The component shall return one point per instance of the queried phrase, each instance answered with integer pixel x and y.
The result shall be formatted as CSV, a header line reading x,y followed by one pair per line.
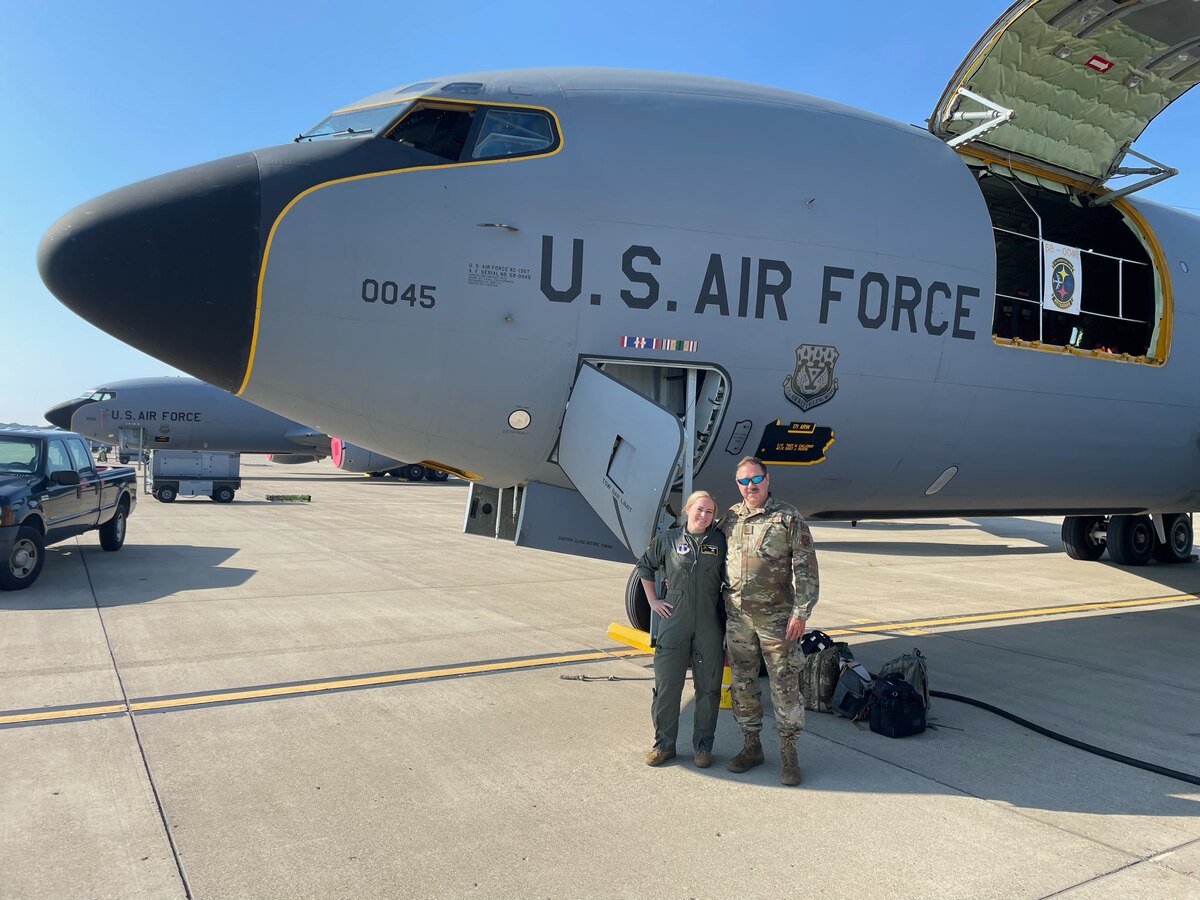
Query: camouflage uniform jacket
x,y
771,566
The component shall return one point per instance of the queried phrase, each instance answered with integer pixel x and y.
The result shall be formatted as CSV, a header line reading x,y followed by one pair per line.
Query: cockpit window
x,y
353,123
509,132
97,395
440,130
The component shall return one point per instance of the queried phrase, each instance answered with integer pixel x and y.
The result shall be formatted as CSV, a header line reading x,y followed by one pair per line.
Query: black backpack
x,y
897,710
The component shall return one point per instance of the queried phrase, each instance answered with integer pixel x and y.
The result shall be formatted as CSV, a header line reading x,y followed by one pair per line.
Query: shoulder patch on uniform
x,y
806,539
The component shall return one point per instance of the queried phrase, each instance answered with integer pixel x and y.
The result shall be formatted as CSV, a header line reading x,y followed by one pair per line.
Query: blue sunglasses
x,y
753,479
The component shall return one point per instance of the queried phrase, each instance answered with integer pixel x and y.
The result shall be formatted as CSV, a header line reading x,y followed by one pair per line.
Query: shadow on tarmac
x,y
1125,682
1176,578
927,548
115,579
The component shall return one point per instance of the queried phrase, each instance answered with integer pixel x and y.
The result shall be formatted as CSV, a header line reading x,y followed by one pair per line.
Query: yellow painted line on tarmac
x,y
640,640
55,714
1012,614
311,687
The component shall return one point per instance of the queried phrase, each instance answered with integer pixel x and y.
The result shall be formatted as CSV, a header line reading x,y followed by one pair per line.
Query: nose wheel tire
x,y
637,607
1083,537
1178,548
25,560
1130,540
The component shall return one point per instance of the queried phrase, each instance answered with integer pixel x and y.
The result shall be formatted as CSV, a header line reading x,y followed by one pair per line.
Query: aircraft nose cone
x,y
60,414
169,265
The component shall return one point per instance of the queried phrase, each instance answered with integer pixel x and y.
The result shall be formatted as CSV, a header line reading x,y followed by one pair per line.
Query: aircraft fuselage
x,y
839,269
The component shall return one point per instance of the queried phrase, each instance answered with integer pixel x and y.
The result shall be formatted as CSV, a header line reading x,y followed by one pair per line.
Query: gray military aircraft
x,y
594,286
186,414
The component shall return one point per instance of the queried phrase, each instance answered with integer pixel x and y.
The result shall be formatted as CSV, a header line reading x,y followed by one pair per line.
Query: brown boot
x,y
789,771
750,756
703,759
658,757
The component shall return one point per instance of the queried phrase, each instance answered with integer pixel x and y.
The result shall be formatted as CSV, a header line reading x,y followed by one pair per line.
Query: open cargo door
x,y
1066,86
620,451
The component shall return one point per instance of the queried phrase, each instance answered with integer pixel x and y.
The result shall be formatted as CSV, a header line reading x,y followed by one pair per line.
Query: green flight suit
x,y
694,632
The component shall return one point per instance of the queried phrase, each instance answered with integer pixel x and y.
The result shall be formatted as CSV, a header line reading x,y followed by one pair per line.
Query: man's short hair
x,y
751,460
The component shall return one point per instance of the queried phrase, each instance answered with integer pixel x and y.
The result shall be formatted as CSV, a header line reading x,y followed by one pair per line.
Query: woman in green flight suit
x,y
692,629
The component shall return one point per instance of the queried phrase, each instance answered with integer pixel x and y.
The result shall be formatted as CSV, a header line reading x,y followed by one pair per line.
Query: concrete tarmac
x,y
350,698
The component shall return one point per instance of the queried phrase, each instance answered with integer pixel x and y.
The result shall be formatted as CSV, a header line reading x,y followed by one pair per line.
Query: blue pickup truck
x,y
51,490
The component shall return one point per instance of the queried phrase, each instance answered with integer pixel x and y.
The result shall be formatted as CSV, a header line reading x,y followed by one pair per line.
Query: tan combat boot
x,y
789,771
658,757
750,756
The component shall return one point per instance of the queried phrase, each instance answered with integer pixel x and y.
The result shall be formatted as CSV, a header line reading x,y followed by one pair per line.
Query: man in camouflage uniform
x,y
771,571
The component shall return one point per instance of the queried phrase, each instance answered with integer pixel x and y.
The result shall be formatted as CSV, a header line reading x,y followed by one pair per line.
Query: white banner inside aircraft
x,y
1062,276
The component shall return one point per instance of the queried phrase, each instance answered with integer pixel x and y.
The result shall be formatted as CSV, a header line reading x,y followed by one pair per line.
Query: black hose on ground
x,y
1062,738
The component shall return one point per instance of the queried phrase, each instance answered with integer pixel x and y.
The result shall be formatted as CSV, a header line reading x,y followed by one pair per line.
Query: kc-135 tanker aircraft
x,y
172,413
584,288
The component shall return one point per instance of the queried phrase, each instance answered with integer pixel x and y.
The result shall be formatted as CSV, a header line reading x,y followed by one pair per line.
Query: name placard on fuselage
x,y
758,287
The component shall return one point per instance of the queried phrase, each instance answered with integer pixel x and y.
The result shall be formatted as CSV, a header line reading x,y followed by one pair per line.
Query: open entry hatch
x,y
1067,86
633,433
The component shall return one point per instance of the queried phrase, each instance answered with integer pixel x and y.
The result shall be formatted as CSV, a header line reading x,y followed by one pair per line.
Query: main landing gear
x,y
1129,540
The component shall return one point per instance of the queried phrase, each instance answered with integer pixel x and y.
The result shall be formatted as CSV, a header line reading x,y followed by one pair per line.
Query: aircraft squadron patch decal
x,y
812,382
794,444
1064,278
1063,283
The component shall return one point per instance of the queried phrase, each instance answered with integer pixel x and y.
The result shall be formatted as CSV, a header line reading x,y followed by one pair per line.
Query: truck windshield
x,y
19,456
352,123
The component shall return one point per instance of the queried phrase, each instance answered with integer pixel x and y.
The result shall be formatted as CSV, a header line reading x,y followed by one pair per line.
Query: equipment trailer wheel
x,y
637,607
1081,537
223,494
1130,540
25,560
166,494
112,532
1178,548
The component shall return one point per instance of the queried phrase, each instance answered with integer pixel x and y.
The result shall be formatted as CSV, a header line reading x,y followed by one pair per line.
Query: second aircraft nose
x,y
169,265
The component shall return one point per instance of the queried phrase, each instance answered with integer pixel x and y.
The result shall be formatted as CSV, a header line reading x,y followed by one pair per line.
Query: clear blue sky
x,y
98,95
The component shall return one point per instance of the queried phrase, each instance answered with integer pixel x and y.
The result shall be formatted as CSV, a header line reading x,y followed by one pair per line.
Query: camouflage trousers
x,y
749,638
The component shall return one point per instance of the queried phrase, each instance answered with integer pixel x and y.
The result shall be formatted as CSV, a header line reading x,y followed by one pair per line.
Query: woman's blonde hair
x,y
693,497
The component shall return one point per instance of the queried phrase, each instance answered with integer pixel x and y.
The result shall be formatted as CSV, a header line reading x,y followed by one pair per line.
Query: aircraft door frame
x,y
620,450
701,407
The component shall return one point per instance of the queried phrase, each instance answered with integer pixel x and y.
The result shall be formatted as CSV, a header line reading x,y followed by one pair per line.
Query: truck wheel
x,y
25,561
223,494
166,494
414,471
112,532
